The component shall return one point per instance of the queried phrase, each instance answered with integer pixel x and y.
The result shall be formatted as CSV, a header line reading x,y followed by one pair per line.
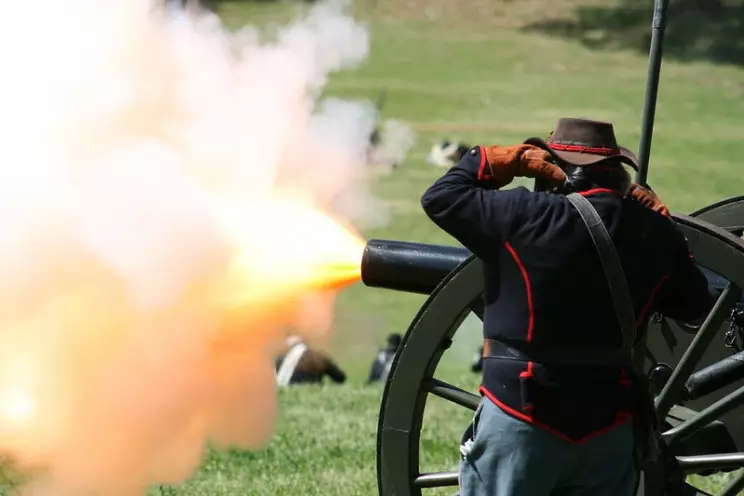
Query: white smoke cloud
x,y
137,140
396,139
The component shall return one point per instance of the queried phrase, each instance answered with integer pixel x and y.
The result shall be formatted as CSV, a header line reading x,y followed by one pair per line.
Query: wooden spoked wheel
x,y
679,349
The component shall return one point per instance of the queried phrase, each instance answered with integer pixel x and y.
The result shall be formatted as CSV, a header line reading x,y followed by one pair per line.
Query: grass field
x,y
473,71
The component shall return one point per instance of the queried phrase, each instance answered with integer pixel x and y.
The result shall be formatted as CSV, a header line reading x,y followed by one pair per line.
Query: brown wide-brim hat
x,y
583,142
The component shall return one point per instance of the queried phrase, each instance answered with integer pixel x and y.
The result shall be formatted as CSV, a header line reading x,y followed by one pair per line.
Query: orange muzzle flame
x,y
87,366
306,250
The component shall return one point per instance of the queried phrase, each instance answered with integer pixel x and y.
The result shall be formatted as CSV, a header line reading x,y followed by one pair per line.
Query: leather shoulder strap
x,y
612,268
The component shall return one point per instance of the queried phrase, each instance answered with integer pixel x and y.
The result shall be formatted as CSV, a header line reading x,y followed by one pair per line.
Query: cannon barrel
x,y
406,266
715,376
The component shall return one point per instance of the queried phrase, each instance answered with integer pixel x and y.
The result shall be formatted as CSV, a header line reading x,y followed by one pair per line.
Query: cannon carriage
x,y
697,372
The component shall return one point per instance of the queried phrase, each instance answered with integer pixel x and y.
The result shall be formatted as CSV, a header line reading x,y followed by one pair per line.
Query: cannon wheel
x,y
728,214
411,379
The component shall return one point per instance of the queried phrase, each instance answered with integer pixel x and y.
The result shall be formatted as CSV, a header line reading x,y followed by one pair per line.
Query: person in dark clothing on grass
x,y
384,359
546,428
304,365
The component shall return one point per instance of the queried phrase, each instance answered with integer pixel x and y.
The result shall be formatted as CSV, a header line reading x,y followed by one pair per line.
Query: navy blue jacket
x,y
545,285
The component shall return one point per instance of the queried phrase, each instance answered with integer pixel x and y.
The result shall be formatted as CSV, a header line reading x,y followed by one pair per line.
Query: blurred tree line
x,y
710,30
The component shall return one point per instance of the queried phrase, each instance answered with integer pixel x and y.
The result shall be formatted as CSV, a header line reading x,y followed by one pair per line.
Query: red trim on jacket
x,y
600,190
621,419
482,176
651,297
528,289
527,374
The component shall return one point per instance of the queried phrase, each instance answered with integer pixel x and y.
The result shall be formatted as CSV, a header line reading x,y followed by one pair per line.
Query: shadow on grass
x,y
709,30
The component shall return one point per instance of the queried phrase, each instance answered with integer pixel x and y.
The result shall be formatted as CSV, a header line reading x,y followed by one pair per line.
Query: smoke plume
x,y
396,139
173,201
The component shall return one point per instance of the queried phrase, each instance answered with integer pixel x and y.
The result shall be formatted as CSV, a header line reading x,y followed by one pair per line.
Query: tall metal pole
x,y
652,87
658,25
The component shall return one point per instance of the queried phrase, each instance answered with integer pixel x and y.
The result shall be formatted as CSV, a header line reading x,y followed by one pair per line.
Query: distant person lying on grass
x,y
302,364
384,360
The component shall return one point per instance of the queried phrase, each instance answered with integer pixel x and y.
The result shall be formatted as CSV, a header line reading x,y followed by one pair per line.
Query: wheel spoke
x,y
735,486
714,411
453,394
699,463
697,348
436,479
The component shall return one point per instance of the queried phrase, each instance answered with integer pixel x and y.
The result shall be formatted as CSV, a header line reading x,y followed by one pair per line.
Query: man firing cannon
x,y
558,390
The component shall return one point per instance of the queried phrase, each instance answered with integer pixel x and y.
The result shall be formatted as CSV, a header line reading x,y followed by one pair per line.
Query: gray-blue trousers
x,y
508,457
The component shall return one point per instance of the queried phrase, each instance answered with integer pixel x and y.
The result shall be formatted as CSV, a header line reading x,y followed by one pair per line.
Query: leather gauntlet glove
x,y
647,198
503,164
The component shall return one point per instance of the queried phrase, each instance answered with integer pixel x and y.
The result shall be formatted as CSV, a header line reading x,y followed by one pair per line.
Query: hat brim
x,y
581,159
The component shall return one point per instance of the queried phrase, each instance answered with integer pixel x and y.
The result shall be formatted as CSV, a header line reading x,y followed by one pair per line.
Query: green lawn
x,y
466,70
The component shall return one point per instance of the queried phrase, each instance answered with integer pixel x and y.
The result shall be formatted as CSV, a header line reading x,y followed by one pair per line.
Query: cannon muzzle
x,y
411,267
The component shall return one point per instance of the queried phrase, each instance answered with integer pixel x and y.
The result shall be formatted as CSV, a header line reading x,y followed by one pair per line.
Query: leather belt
x,y
596,357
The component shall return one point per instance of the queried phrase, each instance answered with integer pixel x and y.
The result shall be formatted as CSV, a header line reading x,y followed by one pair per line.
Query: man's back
x,y
550,283
547,289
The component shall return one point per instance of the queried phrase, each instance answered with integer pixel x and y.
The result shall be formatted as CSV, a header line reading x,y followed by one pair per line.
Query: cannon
x,y
697,372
